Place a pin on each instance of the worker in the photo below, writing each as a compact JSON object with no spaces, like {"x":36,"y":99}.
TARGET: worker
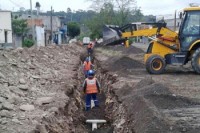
{"x":91,"y":88}
{"x":87,"y":65}
{"x":90,"y":48}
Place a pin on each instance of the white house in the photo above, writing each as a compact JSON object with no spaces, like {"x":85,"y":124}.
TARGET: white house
{"x":5,"y":29}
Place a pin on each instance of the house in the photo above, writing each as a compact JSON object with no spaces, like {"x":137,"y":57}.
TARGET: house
{"x":43,"y":23}
{"x":5,"y":29}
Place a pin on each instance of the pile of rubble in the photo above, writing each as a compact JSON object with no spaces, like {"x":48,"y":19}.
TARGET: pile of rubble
{"x":36,"y":85}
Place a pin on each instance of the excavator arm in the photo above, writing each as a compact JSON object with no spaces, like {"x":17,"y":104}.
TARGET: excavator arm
{"x":115,"y":35}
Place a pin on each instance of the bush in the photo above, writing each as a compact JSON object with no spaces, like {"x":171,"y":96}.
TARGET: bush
{"x":28,"y":43}
{"x":73,"y":29}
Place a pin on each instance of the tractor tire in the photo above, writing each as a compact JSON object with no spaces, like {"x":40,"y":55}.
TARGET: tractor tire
{"x":196,"y":61}
{"x":155,"y":64}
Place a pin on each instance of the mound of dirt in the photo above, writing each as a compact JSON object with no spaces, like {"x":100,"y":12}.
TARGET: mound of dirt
{"x":124,"y":63}
{"x":33,"y":83}
{"x":123,"y":66}
{"x":129,"y":50}
{"x":144,"y":103}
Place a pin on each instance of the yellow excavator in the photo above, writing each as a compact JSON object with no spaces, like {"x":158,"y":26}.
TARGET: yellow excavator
{"x":167,"y":47}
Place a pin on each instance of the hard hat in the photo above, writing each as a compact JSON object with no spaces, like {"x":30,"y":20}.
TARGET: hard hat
{"x":87,"y":59}
{"x":90,"y":73}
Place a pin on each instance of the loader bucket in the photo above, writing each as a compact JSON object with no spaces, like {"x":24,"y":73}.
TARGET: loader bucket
{"x":110,"y":32}
{"x":112,"y":35}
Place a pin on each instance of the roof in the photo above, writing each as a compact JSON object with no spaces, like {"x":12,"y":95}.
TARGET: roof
{"x":192,"y":9}
{"x":4,"y":11}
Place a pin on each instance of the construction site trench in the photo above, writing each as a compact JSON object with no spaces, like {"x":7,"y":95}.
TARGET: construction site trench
{"x":41,"y":93}
{"x":136,"y":104}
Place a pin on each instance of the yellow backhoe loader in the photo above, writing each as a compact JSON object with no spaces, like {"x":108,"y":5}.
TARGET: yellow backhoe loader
{"x":167,"y":46}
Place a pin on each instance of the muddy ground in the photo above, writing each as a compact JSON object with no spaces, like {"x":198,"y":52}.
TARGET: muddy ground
{"x":41,"y":92}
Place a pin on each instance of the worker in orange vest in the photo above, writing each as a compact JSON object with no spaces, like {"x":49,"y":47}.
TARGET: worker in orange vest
{"x":90,"y":48}
{"x":87,"y":65}
{"x":91,"y":87}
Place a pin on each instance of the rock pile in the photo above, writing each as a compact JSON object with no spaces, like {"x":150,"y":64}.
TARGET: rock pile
{"x":33,"y":84}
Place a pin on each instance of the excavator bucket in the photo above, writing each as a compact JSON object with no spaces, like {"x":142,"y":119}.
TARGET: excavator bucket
{"x":112,"y":35}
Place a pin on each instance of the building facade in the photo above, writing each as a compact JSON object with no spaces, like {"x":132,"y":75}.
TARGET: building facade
{"x":5,"y":29}
{"x":42,"y":26}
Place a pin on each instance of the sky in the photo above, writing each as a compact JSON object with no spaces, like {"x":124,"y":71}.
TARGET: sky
{"x":154,"y":7}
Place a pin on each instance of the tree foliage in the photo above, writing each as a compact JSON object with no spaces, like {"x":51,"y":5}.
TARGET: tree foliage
{"x":73,"y":29}
{"x":115,"y":12}
{"x":27,"y":42}
{"x":121,"y":9}
{"x":19,"y":27}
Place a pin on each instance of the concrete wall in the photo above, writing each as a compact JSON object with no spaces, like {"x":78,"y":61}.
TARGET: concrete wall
{"x":5,"y":27}
{"x":17,"y":41}
{"x":40,"y":36}
{"x":46,"y":20}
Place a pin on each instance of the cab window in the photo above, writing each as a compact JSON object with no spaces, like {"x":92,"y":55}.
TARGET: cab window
{"x":192,"y":24}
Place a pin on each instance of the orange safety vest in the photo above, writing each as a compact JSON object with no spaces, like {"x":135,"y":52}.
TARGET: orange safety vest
{"x":87,"y":65}
{"x":91,"y":86}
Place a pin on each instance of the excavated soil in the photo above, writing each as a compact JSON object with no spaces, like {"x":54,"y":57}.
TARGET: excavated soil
{"x":40,"y":93}
{"x":130,"y":50}
{"x":123,"y":65}
{"x":138,"y":102}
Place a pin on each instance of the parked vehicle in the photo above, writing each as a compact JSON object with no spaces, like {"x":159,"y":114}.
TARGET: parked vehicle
{"x":86,"y":40}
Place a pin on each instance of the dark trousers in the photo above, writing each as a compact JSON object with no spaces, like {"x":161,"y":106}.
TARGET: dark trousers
{"x":88,"y":99}
{"x":86,"y":73}
{"x":89,"y":51}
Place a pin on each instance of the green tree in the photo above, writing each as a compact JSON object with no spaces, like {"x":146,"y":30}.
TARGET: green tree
{"x":123,"y":9}
{"x":114,"y":12}
{"x":73,"y":29}
{"x":19,"y":27}
{"x":105,"y":16}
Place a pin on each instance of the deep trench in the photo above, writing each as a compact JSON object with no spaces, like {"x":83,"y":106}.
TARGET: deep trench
{"x":101,"y":111}
{"x":118,"y":115}
{"x":72,"y":118}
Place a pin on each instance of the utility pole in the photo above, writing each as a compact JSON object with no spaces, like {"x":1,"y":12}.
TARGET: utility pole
{"x":32,"y":23}
{"x":71,"y":16}
{"x":175,"y":21}
{"x":51,"y":25}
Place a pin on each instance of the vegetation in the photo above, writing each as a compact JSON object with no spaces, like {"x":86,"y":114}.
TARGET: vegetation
{"x":73,"y":29}
{"x":19,"y":27}
{"x":27,"y":43}
{"x":115,"y":12}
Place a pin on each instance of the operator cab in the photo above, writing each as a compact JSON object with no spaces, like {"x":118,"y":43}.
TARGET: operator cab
{"x":189,"y":31}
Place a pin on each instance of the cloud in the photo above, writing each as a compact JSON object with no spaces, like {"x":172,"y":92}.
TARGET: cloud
{"x":157,"y":7}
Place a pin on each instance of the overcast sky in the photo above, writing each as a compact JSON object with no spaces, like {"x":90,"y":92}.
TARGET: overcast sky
{"x":155,"y":7}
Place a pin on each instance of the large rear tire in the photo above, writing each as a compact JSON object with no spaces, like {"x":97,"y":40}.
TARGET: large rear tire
{"x":196,"y":61}
{"x":155,"y":64}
